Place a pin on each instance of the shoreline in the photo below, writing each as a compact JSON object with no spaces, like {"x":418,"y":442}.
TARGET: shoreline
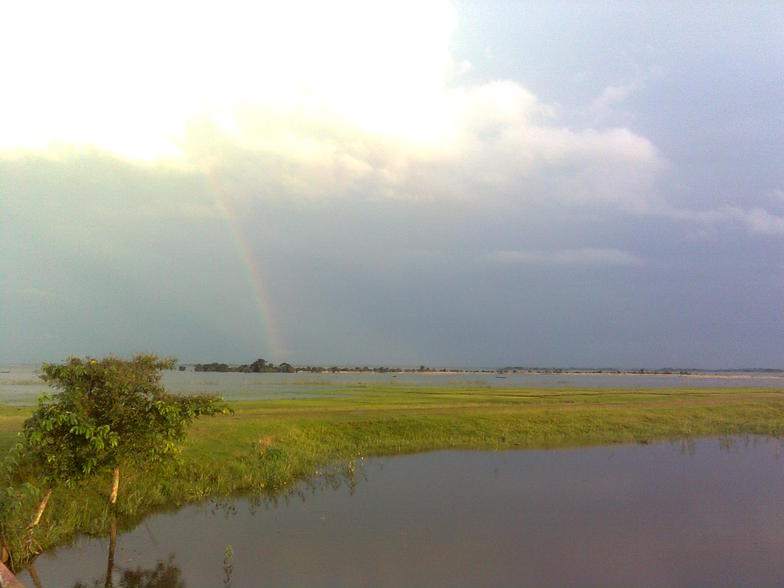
{"x":267,"y":446}
{"x":458,"y":372}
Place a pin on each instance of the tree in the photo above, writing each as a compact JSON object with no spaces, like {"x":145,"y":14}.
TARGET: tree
{"x":258,"y":366}
{"x":106,"y":412}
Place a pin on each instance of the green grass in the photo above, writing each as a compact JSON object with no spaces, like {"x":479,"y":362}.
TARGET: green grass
{"x":267,"y":446}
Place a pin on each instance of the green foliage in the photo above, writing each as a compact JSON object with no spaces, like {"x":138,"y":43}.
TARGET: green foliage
{"x":104,"y":412}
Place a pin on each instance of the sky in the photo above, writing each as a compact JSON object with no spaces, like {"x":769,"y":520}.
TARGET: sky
{"x":402,"y":183}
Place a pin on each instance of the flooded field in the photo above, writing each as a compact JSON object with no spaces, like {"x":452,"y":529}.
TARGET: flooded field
{"x":21,"y":384}
{"x":698,"y":513}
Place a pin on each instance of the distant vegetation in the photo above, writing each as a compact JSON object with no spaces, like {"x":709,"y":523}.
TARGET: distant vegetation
{"x":263,"y":366}
{"x":257,"y":367}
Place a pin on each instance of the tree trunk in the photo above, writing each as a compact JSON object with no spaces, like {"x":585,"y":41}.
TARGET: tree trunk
{"x":4,"y":555}
{"x":41,"y":508}
{"x":115,"y":486}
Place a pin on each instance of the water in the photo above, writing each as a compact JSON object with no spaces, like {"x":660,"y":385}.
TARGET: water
{"x":21,"y":384}
{"x":704,"y":513}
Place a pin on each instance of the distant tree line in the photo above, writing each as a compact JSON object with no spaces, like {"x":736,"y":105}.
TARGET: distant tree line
{"x":258,"y":366}
{"x":318,"y":369}
{"x":263,"y":366}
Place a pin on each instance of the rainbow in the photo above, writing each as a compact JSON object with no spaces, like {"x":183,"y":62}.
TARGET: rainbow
{"x":255,"y":281}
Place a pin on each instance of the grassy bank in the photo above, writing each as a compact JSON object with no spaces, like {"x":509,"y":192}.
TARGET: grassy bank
{"x":266,"y":446}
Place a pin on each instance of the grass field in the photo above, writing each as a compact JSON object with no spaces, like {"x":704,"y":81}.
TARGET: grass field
{"x":266,"y":446}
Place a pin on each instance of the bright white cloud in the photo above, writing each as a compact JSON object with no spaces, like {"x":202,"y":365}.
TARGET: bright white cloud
{"x":498,"y":139}
{"x":302,"y":99}
{"x":127,"y":78}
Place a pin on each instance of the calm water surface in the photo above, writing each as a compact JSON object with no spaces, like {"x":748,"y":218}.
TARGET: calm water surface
{"x":706,"y":513}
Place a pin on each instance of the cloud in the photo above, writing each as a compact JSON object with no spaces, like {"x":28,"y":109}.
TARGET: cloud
{"x":267,"y":104}
{"x":495,"y":138}
{"x":756,"y":220}
{"x":614,"y":95}
{"x":759,"y":220}
{"x":81,"y":76}
{"x":101,"y":187}
{"x":586,"y":256}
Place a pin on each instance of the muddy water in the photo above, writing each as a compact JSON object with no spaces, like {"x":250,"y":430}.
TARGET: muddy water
{"x":708,"y":513}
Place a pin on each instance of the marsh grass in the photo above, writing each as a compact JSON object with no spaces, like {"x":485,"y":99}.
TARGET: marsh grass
{"x":265,"y":447}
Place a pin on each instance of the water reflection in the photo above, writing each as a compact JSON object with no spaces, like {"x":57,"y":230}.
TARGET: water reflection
{"x":164,"y":574}
{"x":731,"y":443}
{"x":345,"y":476}
{"x":167,"y":574}
{"x":692,"y":513}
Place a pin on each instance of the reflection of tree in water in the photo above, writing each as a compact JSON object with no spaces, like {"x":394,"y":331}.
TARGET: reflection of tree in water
{"x":166,"y":574}
{"x":163,"y":575}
